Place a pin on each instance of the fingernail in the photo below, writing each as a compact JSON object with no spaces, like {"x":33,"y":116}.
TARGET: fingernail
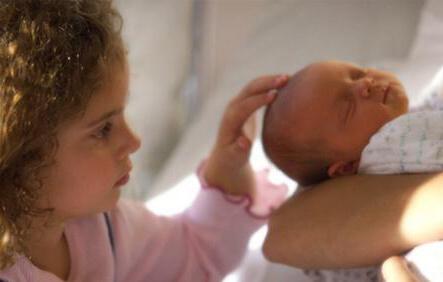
{"x":271,"y":93}
{"x":281,"y":79}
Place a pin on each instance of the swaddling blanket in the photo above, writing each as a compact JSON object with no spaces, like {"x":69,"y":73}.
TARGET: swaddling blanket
{"x":411,"y":143}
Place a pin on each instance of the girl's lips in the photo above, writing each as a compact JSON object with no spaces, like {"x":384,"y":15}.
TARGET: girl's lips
{"x":122,"y":181}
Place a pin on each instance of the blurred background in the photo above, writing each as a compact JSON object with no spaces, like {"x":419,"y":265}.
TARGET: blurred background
{"x":189,"y":57}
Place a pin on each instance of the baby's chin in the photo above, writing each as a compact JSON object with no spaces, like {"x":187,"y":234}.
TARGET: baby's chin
{"x":403,"y":106}
{"x":398,"y":101}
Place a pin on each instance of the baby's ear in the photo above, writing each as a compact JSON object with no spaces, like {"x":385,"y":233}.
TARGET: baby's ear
{"x":342,"y":168}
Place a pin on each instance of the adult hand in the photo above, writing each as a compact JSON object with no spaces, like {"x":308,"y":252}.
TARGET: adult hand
{"x":395,"y":269}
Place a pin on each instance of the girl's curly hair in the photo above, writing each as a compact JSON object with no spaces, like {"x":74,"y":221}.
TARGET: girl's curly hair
{"x":53,"y":56}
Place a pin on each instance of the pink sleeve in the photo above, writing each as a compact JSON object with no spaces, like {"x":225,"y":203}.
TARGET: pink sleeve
{"x":204,"y":243}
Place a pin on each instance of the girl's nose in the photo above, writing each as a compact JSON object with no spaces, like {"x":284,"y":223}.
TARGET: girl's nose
{"x":134,"y":142}
{"x":129,"y":145}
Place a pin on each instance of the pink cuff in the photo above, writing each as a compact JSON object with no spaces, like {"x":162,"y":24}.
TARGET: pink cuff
{"x":268,"y":196}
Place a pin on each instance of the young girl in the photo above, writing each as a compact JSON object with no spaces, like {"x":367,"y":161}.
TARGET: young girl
{"x":64,"y":156}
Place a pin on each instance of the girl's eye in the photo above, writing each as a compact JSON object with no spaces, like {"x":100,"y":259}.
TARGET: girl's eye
{"x":104,"y":131}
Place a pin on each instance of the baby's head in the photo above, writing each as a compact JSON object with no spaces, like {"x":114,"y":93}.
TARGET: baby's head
{"x":323,"y":118}
{"x":54,"y":56}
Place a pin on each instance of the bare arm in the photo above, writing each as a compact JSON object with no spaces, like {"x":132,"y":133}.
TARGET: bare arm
{"x":356,"y":221}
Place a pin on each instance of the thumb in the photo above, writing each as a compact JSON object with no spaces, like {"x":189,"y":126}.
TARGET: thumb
{"x":396,"y":269}
{"x":243,"y":143}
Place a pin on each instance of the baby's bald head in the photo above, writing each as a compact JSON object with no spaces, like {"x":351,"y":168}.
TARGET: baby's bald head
{"x":299,"y":156}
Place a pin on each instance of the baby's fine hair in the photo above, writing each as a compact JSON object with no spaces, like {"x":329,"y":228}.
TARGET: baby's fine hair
{"x":305,"y":162}
{"x":54,"y":55}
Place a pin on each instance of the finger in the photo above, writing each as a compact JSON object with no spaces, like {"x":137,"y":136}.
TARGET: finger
{"x":396,"y":269}
{"x":237,"y":114}
{"x":243,"y":143}
{"x":263,"y":84}
{"x":249,"y":127}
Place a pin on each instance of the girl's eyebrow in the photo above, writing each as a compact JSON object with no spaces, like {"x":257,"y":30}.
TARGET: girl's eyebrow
{"x":104,"y":117}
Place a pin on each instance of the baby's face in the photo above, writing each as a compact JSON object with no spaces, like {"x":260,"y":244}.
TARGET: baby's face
{"x":344,"y":105}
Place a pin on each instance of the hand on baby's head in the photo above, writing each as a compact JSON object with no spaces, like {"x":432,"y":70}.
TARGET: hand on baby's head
{"x":228,"y":164}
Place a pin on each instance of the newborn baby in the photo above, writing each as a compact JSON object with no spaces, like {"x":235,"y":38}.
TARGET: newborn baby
{"x":322,"y":120}
{"x":334,"y":118}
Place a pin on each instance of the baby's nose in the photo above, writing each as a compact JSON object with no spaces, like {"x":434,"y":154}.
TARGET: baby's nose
{"x":362,"y":87}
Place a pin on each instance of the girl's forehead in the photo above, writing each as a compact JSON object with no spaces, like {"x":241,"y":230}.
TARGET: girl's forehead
{"x":110,"y":97}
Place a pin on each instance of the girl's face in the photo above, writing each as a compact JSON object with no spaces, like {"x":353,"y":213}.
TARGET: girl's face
{"x":92,"y":162}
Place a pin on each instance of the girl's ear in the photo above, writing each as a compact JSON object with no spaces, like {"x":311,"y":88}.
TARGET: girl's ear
{"x":342,"y":168}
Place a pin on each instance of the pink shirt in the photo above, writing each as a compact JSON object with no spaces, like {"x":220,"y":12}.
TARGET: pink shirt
{"x":204,"y":243}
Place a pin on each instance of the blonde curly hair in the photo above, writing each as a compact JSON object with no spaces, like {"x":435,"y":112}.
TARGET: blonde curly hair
{"x":53,"y":57}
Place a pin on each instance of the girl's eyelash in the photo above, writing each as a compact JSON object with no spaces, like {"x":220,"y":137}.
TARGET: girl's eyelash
{"x":104,"y":131}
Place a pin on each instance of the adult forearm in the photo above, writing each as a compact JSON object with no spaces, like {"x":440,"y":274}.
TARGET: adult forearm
{"x":356,"y":221}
